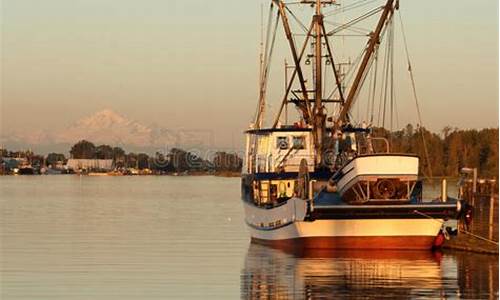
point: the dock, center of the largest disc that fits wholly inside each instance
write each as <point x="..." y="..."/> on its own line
<point x="481" y="235"/>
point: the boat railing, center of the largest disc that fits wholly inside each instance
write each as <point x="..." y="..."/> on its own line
<point x="369" y="147"/>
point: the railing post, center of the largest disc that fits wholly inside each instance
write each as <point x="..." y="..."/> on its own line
<point x="444" y="191"/>
<point x="492" y="211"/>
<point x="474" y="181"/>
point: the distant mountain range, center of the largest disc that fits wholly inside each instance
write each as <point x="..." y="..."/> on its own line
<point x="106" y="127"/>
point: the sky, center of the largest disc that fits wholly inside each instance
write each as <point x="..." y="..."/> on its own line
<point x="194" y="64"/>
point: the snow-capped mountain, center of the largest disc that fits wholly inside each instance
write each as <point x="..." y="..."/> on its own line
<point x="106" y="127"/>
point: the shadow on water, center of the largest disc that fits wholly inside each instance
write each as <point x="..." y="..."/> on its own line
<point x="274" y="274"/>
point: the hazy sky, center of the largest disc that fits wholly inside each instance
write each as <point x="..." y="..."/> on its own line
<point x="193" y="64"/>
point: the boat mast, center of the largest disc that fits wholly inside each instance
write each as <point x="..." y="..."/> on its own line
<point x="318" y="18"/>
<point x="319" y="116"/>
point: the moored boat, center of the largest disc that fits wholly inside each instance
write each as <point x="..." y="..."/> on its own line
<point x="324" y="181"/>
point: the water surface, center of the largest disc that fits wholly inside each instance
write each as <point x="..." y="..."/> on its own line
<point x="71" y="237"/>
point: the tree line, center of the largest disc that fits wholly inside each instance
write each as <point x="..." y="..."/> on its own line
<point x="176" y="160"/>
<point x="449" y="151"/>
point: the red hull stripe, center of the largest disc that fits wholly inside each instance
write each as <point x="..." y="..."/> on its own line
<point x="368" y="242"/>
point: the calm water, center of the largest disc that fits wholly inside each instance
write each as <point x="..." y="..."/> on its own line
<point x="70" y="237"/>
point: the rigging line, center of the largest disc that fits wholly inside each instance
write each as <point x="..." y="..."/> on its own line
<point x="263" y="61"/>
<point x="295" y="71"/>
<point x="357" y="110"/>
<point x="364" y="75"/>
<point x="323" y="92"/>
<point x="375" y="57"/>
<point x="271" y="51"/>
<point x="384" y="67"/>
<point x="268" y="35"/>
<point x="461" y="230"/>
<point x="332" y="61"/>
<point x="348" y="75"/>
<point x="363" y="78"/>
<point x="396" y="112"/>
<point x="382" y="35"/>
<point x="261" y="57"/>
<point x="297" y="19"/>
<point x="358" y="59"/>
<point x="349" y="7"/>
<point x="392" y="75"/>
<point x="387" y="82"/>
<point x="356" y="20"/>
<point x="372" y="43"/>
<point x="368" y="102"/>
<point x="414" y="89"/>
<point x="306" y="108"/>
<point x="355" y="29"/>
<point x="260" y="107"/>
<point x="387" y="73"/>
<point x="267" y="68"/>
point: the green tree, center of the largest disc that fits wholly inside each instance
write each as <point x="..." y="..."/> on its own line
<point x="83" y="150"/>
<point x="224" y="161"/>
<point x="104" y="152"/>
<point x="53" y="158"/>
<point x="142" y="161"/>
<point x="119" y="157"/>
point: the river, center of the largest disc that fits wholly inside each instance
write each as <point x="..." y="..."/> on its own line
<point x="164" y="237"/>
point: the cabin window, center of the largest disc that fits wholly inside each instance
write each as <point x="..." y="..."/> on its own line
<point x="299" y="142"/>
<point x="282" y="142"/>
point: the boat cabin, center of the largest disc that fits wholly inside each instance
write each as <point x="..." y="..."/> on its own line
<point x="278" y="150"/>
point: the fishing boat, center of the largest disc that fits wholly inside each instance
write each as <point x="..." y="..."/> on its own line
<point x="320" y="177"/>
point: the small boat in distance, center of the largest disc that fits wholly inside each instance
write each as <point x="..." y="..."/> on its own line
<point x="318" y="178"/>
<point x="25" y="169"/>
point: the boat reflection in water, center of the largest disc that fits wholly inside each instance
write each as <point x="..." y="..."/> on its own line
<point x="275" y="274"/>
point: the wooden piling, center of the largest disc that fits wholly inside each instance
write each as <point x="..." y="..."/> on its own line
<point x="491" y="215"/>
<point x="482" y="235"/>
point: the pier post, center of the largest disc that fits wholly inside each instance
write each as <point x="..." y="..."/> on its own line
<point x="490" y="222"/>
<point x="474" y="181"/>
<point x="444" y="190"/>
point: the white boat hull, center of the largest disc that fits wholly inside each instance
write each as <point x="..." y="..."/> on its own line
<point x="285" y="226"/>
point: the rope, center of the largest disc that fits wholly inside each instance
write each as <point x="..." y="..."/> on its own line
<point x="392" y="74"/>
<point x="297" y="20"/>
<point x="368" y="102"/>
<point x="264" y="68"/>
<point x="267" y="65"/>
<point x="462" y="231"/>
<point x="427" y="216"/>
<point x="383" y="87"/>
<point x="375" y="57"/>
<point x="355" y="21"/>
<point x="351" y="6"/>
<point x="479" y="237"/>
<point x="414" y="89"/>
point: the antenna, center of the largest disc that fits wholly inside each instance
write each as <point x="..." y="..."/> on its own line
<point x="261" y="40"/>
